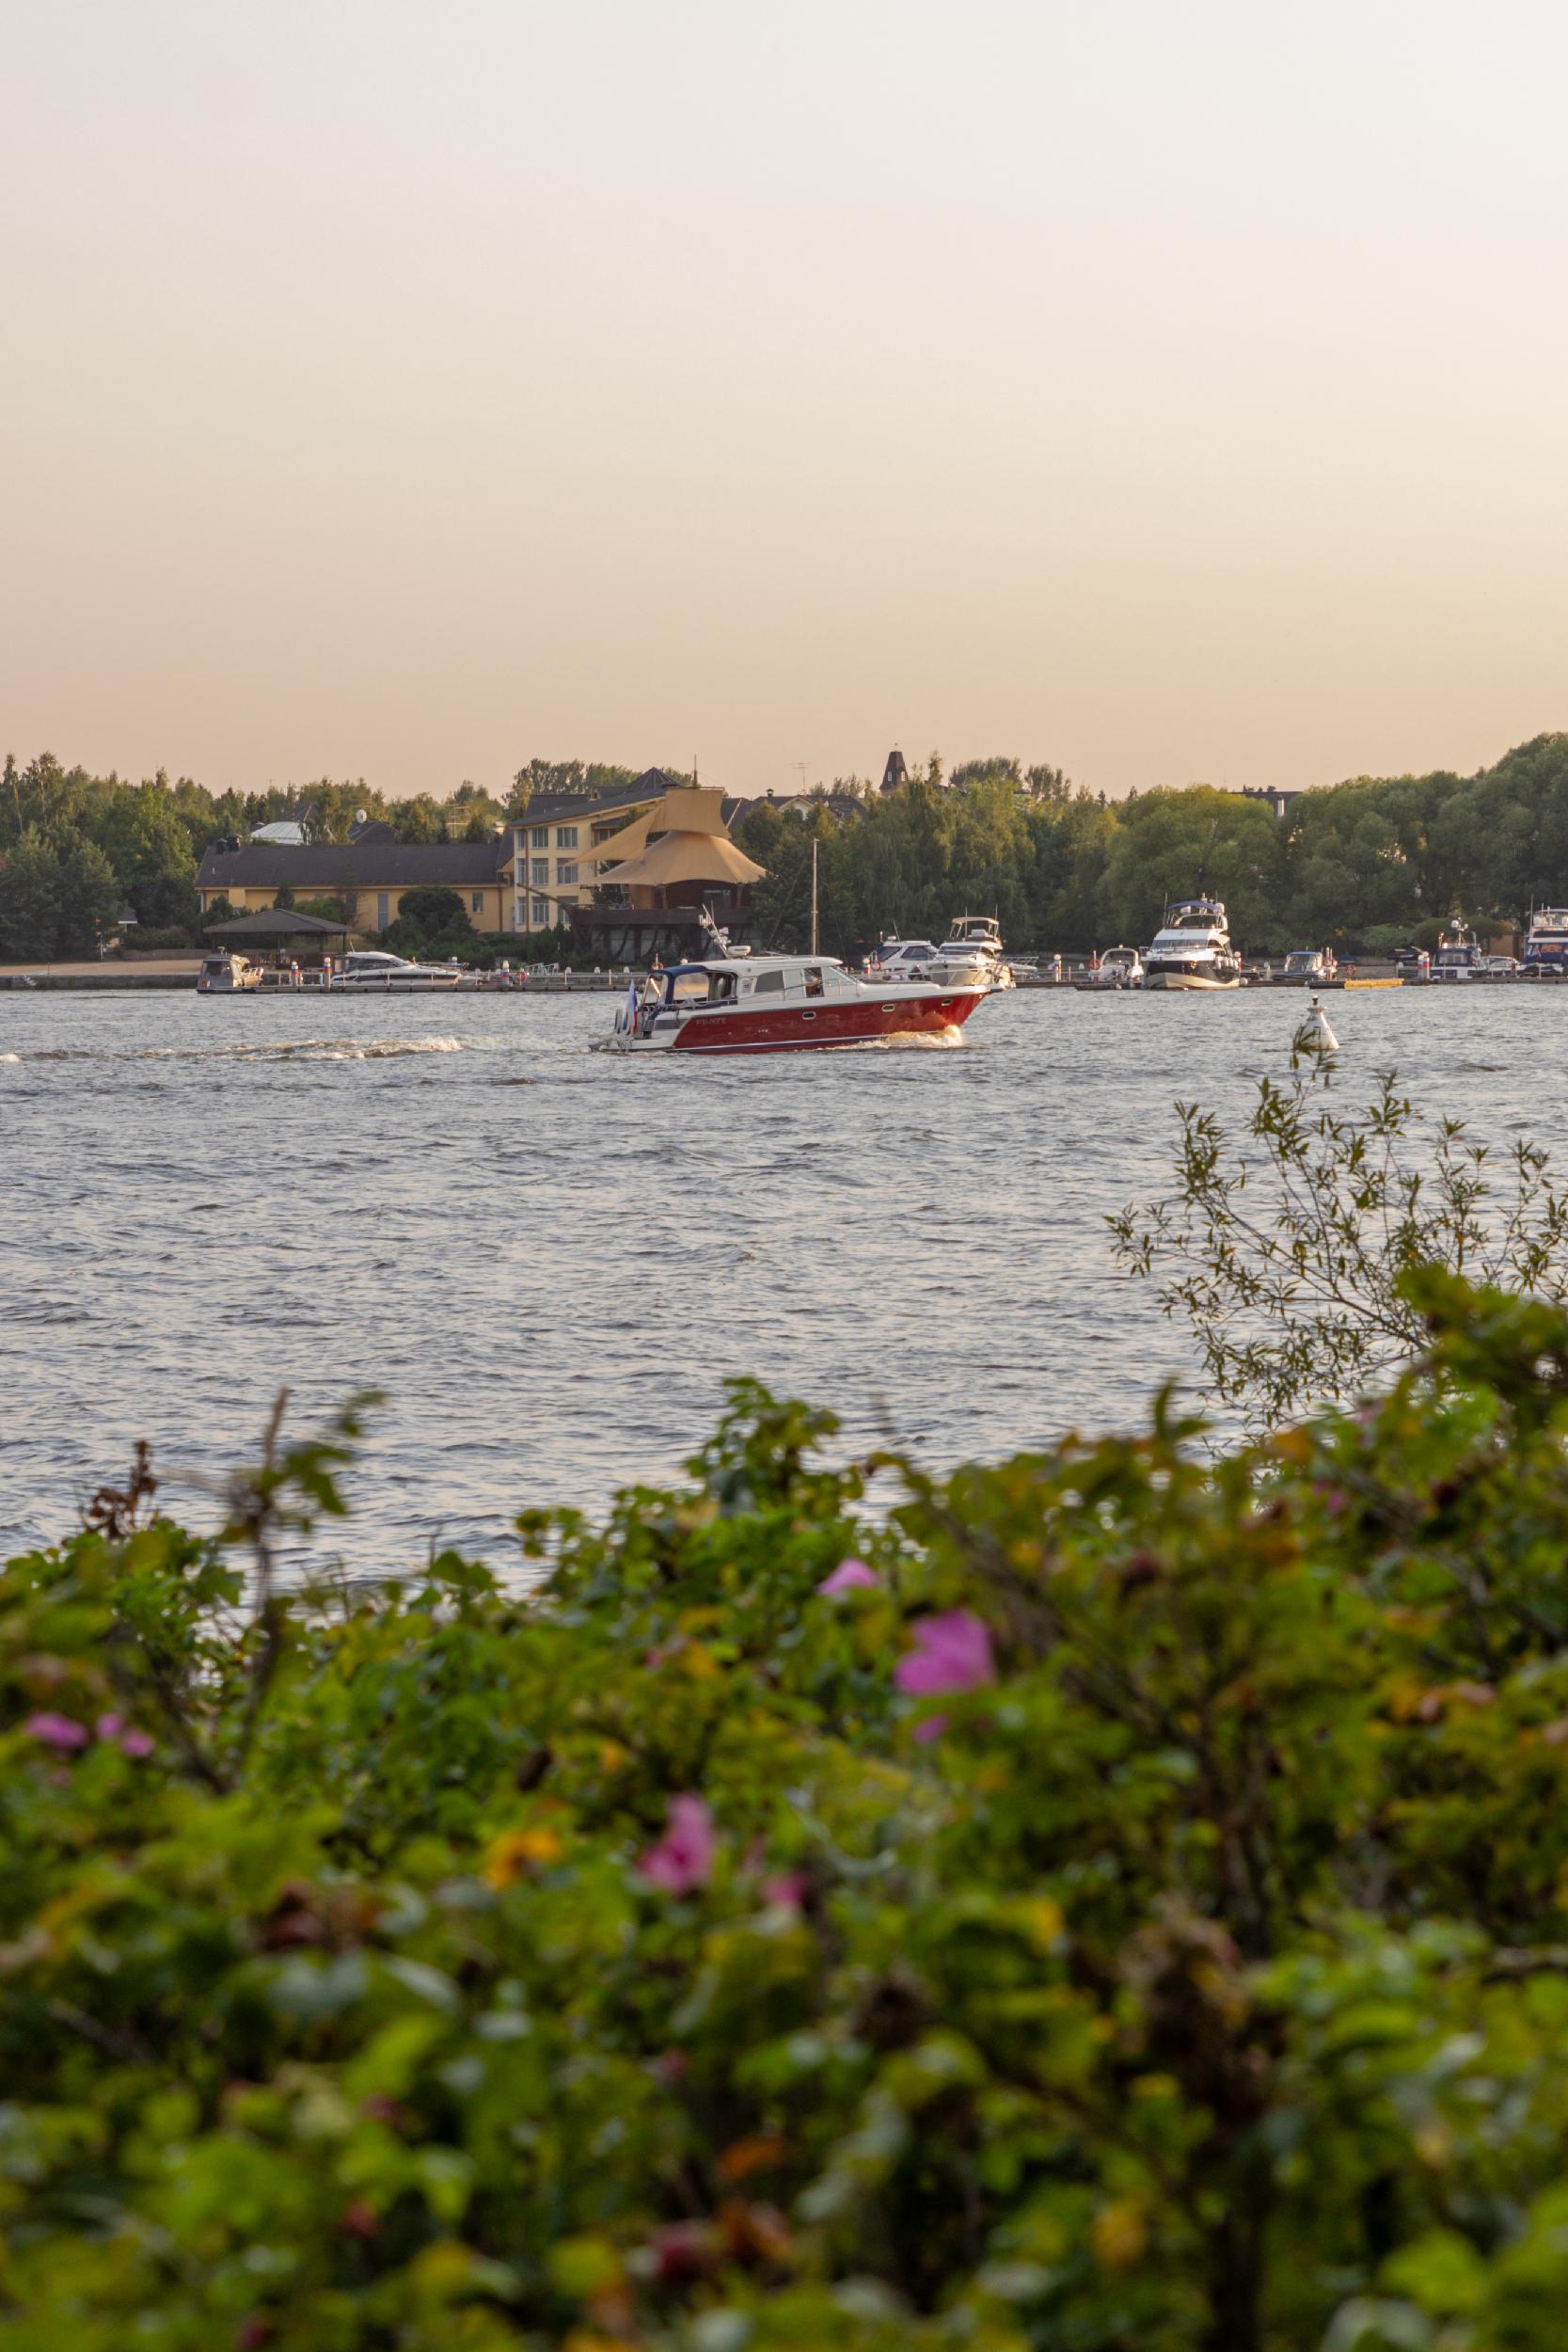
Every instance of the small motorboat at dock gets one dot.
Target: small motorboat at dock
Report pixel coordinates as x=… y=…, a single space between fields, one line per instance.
x=371 y=971
x=1117 y=968
x=228 y=976
x=1307 y=967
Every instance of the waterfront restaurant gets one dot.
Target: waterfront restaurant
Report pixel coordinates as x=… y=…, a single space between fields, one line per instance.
x=654 y=878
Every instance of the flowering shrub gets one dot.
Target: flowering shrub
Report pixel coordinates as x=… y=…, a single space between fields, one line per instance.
x=609 y=1961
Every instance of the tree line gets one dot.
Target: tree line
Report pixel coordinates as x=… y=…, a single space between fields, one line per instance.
x=1365 y=864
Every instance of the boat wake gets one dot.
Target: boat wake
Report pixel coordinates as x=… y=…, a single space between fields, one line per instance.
x=277 y=1049
x=919 y=1041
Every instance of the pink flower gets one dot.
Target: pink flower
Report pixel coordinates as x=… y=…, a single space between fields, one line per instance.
x=109 y=1726
x=683 y=1857
x=950 y=1653
x=137 y=1743
x=57 y=1731
x=848 y=1577
x=786 y=1889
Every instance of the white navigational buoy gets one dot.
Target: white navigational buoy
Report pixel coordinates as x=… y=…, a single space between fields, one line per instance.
x=1317 y=1028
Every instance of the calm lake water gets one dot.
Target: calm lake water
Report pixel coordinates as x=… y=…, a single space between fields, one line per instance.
x=551 y=1260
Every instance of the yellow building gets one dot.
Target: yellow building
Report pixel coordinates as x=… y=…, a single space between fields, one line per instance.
x=369 y=877
x=547 y=862
x=527 y=877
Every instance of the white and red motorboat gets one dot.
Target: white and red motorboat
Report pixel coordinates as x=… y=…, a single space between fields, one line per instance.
x=780 y=1005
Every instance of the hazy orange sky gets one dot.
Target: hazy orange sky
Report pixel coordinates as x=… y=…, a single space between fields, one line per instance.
x=1165 y=390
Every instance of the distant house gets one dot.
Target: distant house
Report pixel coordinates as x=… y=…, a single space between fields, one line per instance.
x=895 y=774
x=1281 y=802
x=841 y=806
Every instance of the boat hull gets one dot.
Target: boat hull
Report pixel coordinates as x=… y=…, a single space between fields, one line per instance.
x=1206 y=981
x=380 y=987
x=795 y=1028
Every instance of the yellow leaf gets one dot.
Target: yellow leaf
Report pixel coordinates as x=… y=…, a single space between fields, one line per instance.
x=1042 y=1915
x=1119 y=2234
x=519 y=1850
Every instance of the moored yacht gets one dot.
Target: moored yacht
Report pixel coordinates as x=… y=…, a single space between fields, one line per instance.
x=1117 y=967
x=228 y=976
x=971 y=955
x=1546 y=943
x=368 y=969
x=1307 y=967
x=1192 y=948
x=1459 y=956
x=900 y=960
x=778 y=1005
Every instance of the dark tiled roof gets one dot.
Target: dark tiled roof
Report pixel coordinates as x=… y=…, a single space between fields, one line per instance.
x=350 y=865
x=269 y=923
x=552 y=808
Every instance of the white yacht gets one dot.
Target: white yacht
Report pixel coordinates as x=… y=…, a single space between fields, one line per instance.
x=1118 y=967
x=1192 y=948
x=900 y=960
x=971 y=956
x=368 y=969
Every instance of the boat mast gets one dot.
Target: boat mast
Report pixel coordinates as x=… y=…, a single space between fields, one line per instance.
x=813 y=897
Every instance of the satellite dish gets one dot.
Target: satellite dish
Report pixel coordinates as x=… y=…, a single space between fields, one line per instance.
x=359 y=817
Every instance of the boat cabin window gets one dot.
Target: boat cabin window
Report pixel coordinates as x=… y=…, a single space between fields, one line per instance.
x=720 y=988
x=688 y=988
x=814 y=979
x=770 y=984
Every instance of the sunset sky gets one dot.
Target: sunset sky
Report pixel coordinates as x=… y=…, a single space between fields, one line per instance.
x=401 y=389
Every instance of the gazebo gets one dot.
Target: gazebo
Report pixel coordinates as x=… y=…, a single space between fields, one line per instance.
x=277 y=927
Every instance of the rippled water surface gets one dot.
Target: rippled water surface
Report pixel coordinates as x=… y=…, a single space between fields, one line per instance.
x=551 y=1260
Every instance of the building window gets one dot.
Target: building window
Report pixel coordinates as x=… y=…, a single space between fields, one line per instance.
x=476 y=902
x=566 y=870
x=566 y=836
x=541 y=874
x=541 y=836
x=541 y=914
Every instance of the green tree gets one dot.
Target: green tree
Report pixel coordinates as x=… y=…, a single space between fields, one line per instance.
x=433 y=910
x=89 y=896
x=31 y=890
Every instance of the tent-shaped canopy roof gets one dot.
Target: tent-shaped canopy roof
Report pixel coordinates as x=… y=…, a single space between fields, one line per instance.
x=682 y=857
x=277 y=923
x=690 y=808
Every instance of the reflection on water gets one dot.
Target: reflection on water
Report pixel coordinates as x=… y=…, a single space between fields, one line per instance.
x=549 y=1260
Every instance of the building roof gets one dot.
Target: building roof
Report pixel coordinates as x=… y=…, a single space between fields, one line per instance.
x=680 y=857
x=685 y=808
x=548 y=808
x=351 y=866
x=277 y=923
